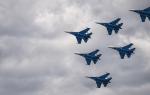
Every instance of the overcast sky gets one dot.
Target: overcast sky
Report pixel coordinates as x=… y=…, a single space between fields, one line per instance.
x=37 y=56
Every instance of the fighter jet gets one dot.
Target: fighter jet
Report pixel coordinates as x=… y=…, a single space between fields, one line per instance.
x=102 y=80
x=124 y=50
x=91 y=56
x=143 y=13
x=82 y=35
x=113 y=25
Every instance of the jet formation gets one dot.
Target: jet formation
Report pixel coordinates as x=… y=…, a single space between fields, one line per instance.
x=143 y=13
x=92 y=56
x=113 y=25
x=102 y=80
x=125 y=50
x=82 y=35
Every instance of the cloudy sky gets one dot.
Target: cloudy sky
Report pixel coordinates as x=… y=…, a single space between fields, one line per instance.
x=37 y=57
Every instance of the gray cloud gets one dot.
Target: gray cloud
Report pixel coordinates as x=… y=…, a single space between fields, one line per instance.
x=37 y=57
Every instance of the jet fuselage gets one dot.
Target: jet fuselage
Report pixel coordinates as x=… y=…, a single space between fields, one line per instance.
x=92 y=57
x=103 y=80
x=112 y=26
x=81 y=35
x=145 y=13
x=123 y=50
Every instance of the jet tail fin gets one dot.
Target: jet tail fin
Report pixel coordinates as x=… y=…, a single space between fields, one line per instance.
x=143 y=17
x=107 y=81
x=119 y=25
x=133 y=49
x=88 y=36
x=98 y=58
x=109 y=78
x=131 y=52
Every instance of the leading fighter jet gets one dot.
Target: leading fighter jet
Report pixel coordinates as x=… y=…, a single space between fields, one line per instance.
x=101 y=80
x=124 y=50
x=143 y=13
x=91 y=56
x=81 y=35
x=112 y=26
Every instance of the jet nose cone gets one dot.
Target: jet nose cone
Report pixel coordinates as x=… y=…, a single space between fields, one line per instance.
x=68 y=32
x=79 y=54
x=131 y=10
x=111 y=47
x=101 y=23
x=73 y=33
x=88 y=77
x=91 y=77
x=134 y=11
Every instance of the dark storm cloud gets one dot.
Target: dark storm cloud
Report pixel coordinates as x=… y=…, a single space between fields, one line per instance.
x=37 y=56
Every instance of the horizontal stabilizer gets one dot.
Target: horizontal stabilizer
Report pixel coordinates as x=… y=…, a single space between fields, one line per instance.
x=119 y=25
x=149 y=18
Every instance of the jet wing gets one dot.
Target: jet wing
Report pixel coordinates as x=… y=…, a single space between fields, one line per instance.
x=95 y=61
x=143 y=18
x=105 y=84
x=147 y=9
x=116 y=30
x=115 y=21
x=129 y=54
x=88 y=35
x=85 y=39
x=122 y=55
x=94 y=52
x=128 y=46
x=85 y=31
x=98 y=84
x=104 y=76
x=88 y=61
x=109 y=31
x=79 y=40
